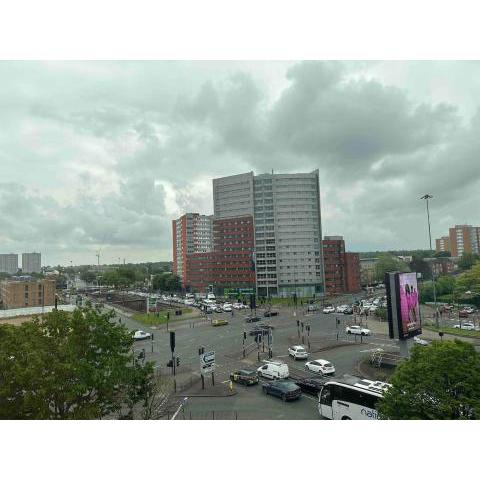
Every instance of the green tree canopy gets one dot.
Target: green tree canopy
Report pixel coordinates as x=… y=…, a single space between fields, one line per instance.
x=389 y=263
x=442 y=254
x=69 y=366
x=438 y=382
x=467 y=260
x=166 y=282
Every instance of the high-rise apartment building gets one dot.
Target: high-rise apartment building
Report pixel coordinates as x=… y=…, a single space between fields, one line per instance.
x=287 y=225
x=31 y=262
x=192 y=233
x=9 y=263
x=442 y=244
x=461 y=239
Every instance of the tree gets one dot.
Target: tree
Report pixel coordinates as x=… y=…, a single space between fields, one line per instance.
x=88 y=276
x=421 y=266
x=166 y=282
x=389 y=263
x=438 y=382
x=442 y=254
x=70 y=366
x=467 y=260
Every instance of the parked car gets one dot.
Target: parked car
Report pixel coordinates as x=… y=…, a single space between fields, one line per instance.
x=285 y=389
x=141 y=335
x=463 y=313
x=217 y=322
x=298 y=352
x=465 y=326
x=313 y=307
x=270 y=313
x=211 y=296
x=217 y=309
x=311 y=385
x=245 y=377
x=238 y=306
x=348 y=311
x=420 y=341
x=252 y=319
x=341 y=308
x=227 y=307
x=357 y=330
x=273 y=369
x=324 y=367
x=329 y=309
x=469 y=309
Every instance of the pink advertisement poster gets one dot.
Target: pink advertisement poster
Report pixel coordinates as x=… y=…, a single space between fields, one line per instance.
x=409 y=306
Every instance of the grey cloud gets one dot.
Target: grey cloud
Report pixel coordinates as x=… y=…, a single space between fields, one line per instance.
x=101 y=145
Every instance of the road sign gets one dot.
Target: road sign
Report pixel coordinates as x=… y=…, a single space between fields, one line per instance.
x=207 y=362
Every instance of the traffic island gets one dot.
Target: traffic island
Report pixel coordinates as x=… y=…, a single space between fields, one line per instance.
x=218 y=390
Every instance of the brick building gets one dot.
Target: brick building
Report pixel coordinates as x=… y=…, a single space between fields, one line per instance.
x=27 y=293
x=352 y=272
x=461 y=239
x=342 y=269
x=192 y=233
x=230 y=264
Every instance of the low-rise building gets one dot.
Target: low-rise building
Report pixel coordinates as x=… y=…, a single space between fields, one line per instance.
x=443 y=265
x=24 y=292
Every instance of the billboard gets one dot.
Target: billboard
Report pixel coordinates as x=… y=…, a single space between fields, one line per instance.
x=403 y=308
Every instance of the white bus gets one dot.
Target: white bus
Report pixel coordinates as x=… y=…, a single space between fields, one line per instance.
x=351 y=398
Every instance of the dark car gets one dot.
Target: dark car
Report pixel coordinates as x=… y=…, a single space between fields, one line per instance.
x=252 y=319
x=245 y=377
x=285 y=389
x=270 y=313
x=348 y=311
x=311 y=385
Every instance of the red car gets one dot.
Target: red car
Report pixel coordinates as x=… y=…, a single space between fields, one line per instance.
x=463 y=314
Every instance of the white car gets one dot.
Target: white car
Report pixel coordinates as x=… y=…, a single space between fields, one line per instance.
x=324 y=367
x=468 y=309
x=211 y=296
x=298 y=352
x=237 y=306
x=465 y=326
x=141 y=335
x=227 y=307
x=329 y=310
x=357 y=330
x=373 y=309
x=189 y=301
x=341 y=308
x=420 y=341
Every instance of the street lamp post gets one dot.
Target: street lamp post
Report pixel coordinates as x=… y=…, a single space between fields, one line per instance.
x=427 y=197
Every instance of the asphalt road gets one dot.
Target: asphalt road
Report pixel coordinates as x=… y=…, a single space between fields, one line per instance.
x=227 y=342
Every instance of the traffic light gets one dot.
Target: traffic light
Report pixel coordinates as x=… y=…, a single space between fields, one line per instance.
x=172 y=341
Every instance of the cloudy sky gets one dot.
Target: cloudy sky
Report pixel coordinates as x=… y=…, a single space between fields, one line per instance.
x=104 y=154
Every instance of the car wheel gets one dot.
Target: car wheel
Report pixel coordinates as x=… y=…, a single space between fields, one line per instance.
x=349 y=332
x=346 y=418
x=362 y=334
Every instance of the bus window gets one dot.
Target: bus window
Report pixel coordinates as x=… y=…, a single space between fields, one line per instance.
x=326 y=395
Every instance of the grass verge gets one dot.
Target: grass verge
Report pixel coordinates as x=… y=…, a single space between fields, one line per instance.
x=454 y=331
x=160 y=318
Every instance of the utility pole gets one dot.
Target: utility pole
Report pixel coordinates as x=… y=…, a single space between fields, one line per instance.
x=427 y=197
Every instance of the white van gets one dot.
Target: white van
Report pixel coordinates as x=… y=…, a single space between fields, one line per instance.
x=273 y=370
x=211 y=296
